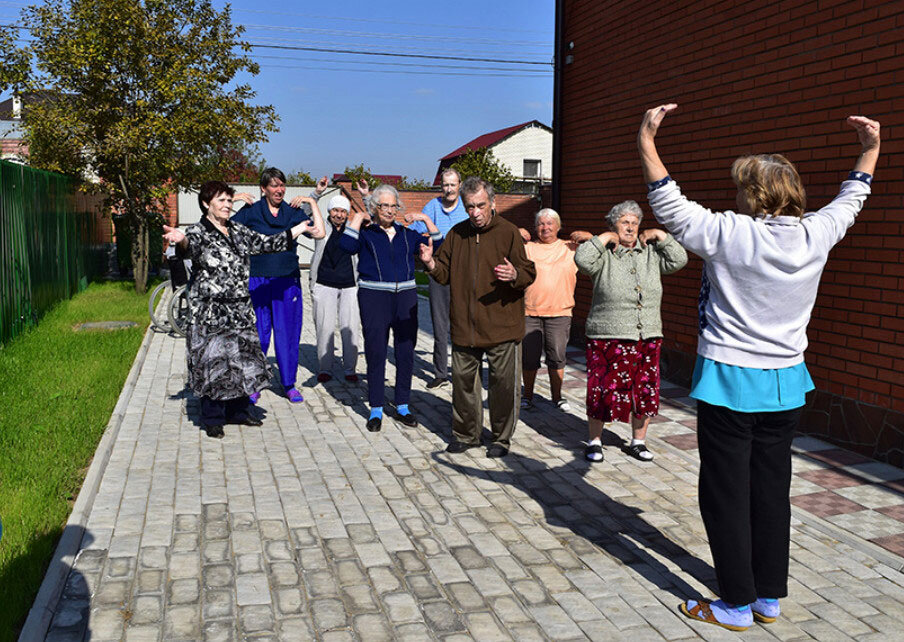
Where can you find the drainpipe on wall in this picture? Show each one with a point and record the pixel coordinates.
(557, 106)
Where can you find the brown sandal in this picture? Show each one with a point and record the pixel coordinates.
(701, 612)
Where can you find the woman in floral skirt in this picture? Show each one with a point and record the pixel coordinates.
(624, 327)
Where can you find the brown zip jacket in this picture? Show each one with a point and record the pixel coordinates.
(484, 311)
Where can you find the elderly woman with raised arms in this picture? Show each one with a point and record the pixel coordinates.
(548, 304)
(624, 326)
(387, 295)
(225, 362)
(762, 265)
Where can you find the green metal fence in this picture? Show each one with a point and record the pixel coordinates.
(51, 244)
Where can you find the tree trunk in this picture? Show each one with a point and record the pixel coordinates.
(140, 251)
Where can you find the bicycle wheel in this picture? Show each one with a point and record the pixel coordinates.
(160, 294)
(178, 311)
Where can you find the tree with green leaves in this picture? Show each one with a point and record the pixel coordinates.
(356, 173)
(300, 177)
(481, 162)
(415, 185)
(140, 99)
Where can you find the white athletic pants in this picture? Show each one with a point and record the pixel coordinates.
(328, 302)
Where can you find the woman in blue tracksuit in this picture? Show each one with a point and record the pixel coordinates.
(274, 284)
(387, 295)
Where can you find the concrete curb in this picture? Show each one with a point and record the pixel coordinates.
(42, 611)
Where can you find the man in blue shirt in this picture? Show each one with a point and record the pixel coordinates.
(274, 285)
(445, 211)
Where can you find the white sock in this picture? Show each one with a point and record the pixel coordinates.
(595, 442)
(637, 442)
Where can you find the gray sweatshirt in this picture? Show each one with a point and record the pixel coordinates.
(760, 273)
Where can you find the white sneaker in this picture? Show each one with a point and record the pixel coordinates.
(563, 405)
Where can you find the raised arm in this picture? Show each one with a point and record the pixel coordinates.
(434, 232)
(653, 168)
(318, 230)
(349, 241)
(868, 133)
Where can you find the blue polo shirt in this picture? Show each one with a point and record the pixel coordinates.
(258, 218)
(443, 220)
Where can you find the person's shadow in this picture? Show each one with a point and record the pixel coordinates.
(617, 529)
(64, 612)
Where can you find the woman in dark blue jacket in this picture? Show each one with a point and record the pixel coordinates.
(387, 295)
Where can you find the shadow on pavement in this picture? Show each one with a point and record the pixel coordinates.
(569, 501)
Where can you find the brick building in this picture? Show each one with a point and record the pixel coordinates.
(753, 77)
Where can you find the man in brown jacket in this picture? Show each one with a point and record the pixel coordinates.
(484, 262)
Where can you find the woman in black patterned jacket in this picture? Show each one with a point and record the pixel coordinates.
(225, 361)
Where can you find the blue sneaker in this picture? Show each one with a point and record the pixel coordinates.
(294, 396)
(766, 610)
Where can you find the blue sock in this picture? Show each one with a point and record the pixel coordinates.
(376, 413)
(402, 409)
(738, 615)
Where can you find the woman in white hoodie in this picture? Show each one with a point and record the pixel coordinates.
(762, 266)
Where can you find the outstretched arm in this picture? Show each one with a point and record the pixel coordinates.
(653, 168)
(868, 132)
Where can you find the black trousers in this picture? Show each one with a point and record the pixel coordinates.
(745, 480)
(216, 412)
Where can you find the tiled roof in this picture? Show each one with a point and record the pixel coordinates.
(490, 139)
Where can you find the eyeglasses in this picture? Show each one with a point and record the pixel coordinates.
(387, 206)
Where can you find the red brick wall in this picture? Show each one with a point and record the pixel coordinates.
(751, 77)
(518, 208)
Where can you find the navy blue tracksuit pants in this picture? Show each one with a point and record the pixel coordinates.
(381, 311)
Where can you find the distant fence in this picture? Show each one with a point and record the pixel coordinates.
(52, 242)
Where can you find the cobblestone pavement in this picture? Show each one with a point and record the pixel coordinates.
(312, 528)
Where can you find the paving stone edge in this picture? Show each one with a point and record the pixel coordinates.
(42, 611)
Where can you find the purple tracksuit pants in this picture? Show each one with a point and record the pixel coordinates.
(278, 308)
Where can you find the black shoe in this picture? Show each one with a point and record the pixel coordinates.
(436, 383)
(639, 452)
(593, 452)
(497, 450)
(456, 447)
(374, 424)
(214, 431)
(409, 420)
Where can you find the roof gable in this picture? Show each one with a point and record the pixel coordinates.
(486, 140)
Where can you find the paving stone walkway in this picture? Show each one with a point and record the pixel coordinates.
(312, 528)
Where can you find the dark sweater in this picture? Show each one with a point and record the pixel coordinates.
(258, 218)
(336, 269)
(484, 311)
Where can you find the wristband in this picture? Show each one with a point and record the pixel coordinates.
(860, 176)
(657, 184)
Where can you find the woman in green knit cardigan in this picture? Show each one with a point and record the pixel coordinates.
(624, 326)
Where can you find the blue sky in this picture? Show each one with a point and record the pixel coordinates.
(339, 109)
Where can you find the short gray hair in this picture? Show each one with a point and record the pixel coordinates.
(450, 170)
(625, 207)
(551, 213)
(375, 195)
(474, 184)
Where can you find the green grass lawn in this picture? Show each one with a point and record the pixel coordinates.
(57, 392)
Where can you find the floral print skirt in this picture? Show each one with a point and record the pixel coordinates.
(622, 378)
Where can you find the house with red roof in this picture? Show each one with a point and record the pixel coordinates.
(525, 149)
